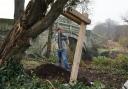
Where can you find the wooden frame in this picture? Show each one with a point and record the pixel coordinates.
(76, 16)
(82, 20)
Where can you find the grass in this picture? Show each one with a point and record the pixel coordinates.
(30, 64)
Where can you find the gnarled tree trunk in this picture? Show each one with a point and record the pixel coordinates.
(30, 25)
(19, 8)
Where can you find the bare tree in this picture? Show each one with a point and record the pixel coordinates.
(34, 21)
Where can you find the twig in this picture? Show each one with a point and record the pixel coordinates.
(51, 84)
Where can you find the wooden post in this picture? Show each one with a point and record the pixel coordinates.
(77, 56)
(83, 21)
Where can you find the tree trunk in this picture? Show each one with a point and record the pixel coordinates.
(18, 11)
(19, 8)
(17, 41)
(49, 43)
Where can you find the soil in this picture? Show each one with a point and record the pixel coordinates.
(107, 78)
(54, 72)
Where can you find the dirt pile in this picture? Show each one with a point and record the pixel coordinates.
(51, 72)
(54, 72)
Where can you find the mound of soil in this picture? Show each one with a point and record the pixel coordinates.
(54, 72)
(51, 72)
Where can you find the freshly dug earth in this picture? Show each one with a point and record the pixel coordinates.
(53, 72)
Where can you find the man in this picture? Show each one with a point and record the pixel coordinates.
(62, 42)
